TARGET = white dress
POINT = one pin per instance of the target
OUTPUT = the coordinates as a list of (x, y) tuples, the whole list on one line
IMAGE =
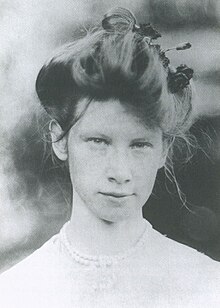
[(156, 272)]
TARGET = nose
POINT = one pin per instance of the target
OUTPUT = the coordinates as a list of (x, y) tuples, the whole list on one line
[(118, 168)]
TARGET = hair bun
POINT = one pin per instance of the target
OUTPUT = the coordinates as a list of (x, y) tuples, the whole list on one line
[(118, 20)]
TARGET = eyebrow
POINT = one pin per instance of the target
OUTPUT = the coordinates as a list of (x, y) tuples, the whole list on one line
[(85, 135), (141, 139)]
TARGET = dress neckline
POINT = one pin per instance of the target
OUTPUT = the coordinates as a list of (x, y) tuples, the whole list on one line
[(101, 260)]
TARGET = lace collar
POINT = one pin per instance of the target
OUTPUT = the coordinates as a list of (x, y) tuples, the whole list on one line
[(101, 260)]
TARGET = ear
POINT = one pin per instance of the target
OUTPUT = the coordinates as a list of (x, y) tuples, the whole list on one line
[(59, 146)]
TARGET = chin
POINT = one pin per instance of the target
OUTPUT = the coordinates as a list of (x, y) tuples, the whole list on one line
[(114, 216)]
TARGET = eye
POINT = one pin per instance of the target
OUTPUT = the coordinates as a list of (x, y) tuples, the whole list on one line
[(141, 145), (96, 140)]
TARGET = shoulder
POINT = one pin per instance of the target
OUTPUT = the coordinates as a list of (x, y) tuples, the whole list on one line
[(29, 280), (178, 255), (187, 271), (37, 259), (175, 274)]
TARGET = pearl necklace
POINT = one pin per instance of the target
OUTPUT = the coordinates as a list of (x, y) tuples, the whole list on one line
[(101, 260)]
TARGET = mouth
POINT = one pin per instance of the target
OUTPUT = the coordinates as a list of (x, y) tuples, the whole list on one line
[(116, 195)]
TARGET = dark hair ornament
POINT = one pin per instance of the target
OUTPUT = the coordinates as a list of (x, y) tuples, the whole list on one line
[(177, 78), (180, 78), (122, 20), (146, 30)]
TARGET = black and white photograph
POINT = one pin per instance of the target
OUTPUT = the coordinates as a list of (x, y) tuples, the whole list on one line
[(109, 154)]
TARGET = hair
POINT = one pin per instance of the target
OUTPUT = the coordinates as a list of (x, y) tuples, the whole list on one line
[(114, 61)]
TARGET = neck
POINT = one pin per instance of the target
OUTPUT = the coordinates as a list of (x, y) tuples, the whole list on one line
[(94, 236)]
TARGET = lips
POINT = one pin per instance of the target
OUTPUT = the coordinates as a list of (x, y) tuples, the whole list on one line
[(116, 194)]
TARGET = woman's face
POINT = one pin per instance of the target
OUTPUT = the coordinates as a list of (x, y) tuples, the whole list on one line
[(113, 161)]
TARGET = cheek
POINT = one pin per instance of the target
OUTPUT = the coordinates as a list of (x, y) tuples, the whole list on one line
[(84, 167), (145, 175)]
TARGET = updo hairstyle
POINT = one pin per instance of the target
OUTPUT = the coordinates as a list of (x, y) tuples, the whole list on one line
[(114, 61)]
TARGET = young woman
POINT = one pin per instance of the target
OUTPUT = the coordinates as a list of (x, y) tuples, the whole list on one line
[(117, 109)]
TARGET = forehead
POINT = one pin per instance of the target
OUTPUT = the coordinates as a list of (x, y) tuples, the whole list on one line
[(110, 116)]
